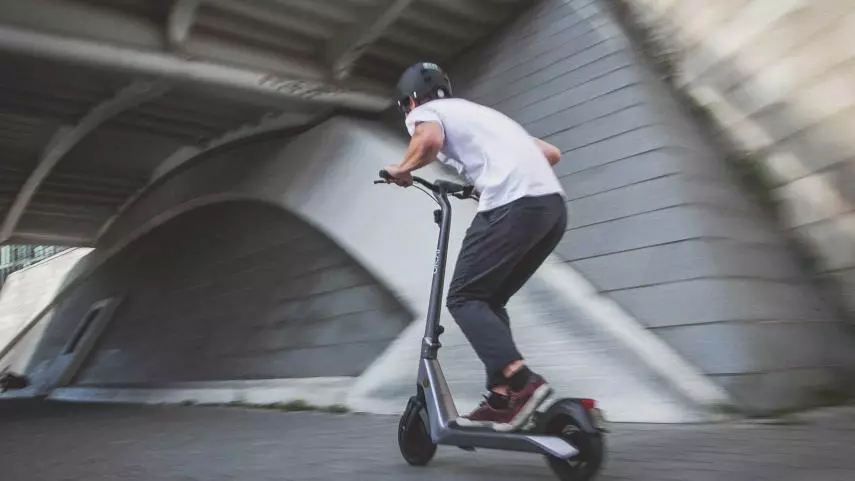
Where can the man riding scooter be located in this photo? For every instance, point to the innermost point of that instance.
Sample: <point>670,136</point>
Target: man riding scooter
<point>521,217</point>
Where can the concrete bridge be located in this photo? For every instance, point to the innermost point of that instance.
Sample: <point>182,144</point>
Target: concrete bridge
<point>216,156</point>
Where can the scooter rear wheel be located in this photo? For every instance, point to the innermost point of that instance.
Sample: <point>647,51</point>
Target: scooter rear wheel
<point>414,439</point>
<point>584,466</point>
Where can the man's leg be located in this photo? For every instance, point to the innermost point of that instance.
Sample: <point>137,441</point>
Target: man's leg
<point>494,246</point>
<point>487,255</point>
<point>529,264</point>
<point>521,385</point>
<point>526,267</point>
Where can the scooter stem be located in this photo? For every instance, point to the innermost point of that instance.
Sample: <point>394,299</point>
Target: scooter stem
<point>430,343</point>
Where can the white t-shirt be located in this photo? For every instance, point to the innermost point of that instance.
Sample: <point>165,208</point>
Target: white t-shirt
<point>493,152</point>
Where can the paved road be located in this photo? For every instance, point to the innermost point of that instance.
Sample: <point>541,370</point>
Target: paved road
<point>92,443</point>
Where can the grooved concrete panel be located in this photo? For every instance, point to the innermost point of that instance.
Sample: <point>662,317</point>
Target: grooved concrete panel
<point>692,259</point>
<point>805,346</point>
<point>656,220</point>
<point>236,290</point>
<point>712,300</point>
<point>778,78</point>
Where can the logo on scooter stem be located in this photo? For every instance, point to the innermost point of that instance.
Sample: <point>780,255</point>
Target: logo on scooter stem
<point>436,262</point>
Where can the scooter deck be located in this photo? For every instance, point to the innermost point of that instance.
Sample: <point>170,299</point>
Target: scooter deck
<point>470,438</point>
<point>528,433</point>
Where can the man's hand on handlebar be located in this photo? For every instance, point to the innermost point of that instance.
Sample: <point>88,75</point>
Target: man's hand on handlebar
<point>440,186</point>
<point>398,177</point>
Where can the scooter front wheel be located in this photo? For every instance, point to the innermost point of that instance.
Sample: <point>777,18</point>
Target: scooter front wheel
<point>414,439</point>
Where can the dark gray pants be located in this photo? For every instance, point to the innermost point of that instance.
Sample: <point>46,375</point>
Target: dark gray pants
<point>502,249</point>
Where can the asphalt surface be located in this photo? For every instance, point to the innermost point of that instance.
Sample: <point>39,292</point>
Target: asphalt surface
<point>60,442</point>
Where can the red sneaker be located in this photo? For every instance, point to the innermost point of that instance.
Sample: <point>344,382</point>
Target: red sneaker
<point>525,402</point>
<point>485,416</point>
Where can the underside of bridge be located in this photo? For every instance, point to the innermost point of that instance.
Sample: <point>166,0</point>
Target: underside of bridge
<point>99,98</point>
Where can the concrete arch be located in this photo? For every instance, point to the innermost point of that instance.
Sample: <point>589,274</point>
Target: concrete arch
<point>222,289</point>
<point>237,290</point>
<point>218,179</point>
<point>330,194</point>
<point>267,175</point>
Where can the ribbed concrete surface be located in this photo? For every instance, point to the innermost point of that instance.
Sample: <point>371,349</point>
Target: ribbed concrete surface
<point>657,221</point>
<point>559,340</point>
<point>778,77</point>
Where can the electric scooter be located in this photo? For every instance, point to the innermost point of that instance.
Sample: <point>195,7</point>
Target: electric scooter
<point>568,432</point>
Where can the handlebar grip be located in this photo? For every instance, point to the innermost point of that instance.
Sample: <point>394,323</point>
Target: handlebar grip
<point>385,175</point>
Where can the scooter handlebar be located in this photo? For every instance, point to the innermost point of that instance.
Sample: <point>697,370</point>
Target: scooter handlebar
<point>387,178</point>
<point>440,186</point>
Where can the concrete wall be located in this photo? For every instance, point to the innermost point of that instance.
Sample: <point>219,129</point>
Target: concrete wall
<point>230,291</point>
<point>236,290</point>
<point>233,290</point>
<point>24,295</point>
<point>778,76</point>
<point>657,222</point>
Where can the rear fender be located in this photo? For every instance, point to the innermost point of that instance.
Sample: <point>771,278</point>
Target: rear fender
<point>571,407</point>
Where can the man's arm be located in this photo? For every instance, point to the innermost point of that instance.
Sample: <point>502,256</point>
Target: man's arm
<point>553,155</point>
<point>425,144</point>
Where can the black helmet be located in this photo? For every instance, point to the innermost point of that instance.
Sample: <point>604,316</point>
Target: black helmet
<point>422,81</point>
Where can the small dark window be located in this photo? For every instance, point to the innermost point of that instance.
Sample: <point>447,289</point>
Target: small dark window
<point>81,331</point>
